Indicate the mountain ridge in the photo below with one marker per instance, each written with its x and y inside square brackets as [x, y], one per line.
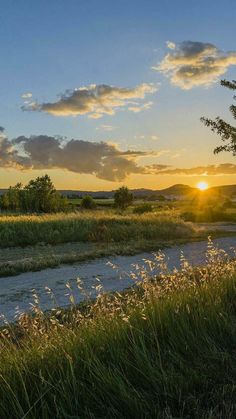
[178, 189]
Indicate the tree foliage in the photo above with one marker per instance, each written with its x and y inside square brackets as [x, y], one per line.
[39, 195]
[123, 198]
[226, 131]
[88, 202]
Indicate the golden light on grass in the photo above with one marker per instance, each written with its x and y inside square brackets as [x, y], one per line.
[202, 186]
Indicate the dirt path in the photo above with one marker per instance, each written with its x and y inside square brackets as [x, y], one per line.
[17, 291]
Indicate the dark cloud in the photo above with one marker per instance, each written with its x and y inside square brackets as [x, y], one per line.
[190, 64]
[96, 100]
[103, 160]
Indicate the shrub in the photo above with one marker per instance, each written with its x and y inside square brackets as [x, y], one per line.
[88, 202]
[123, 198]
[141, 209]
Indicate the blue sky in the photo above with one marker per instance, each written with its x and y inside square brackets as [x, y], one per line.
[49, 47]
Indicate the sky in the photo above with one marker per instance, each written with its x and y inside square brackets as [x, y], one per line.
[99, 94]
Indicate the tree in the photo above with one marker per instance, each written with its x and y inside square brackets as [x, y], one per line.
[226, 131]
[123, 198]
[38, 196]
[88, 202]
[11, 200]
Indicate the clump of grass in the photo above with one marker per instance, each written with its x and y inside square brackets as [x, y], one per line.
[163, 349]
[210, 214]
[88, 226]
[143, 208]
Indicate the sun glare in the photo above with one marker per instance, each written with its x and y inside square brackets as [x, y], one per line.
[202, 186]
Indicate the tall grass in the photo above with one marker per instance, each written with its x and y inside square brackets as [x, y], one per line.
[89, 226]
[164, 349]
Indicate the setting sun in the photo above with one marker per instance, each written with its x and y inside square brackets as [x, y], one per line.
[202, 186]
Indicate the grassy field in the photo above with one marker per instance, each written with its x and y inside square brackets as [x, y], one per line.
[163, 350]
[200, 209]
[109, 202]
[90, 226]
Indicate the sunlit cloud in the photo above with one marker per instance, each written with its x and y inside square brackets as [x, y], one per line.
[170, 45]
[210, 170]
[104, 127]
[191, 64]
[138, 108]
[96, 101]
[27, 95]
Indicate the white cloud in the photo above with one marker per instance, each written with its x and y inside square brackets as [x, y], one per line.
[170, 45]
[106, 127]
[191, 64]
[96, 101]
[139, 108]
[27, 95]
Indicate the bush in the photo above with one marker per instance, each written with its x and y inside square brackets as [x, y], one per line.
[188, 216]
[141, 209]
[88, 202]
[123, 198]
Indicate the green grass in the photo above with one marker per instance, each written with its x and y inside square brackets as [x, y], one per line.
[163, 350]
[109, 202]
[89, 226]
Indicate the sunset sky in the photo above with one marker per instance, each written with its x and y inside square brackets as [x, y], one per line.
[103, 93]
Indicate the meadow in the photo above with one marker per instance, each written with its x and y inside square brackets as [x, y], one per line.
[90, 226]
[162, 349]
[201, 208]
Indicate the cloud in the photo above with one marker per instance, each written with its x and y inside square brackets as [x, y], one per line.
[104, 160]
[95, 101]
[101, 159]
[9, 156]
[170, 45]
[138, 108]
[210, 170]
[27, 95]
[191, 64]
[106, 127]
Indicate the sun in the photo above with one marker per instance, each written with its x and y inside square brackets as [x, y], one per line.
[202, 186]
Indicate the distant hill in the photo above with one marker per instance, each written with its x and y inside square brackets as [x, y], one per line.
[229, 190]
[178, 190]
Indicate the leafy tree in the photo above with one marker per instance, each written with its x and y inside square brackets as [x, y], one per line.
[123, 198]
[38, 196]
[11, 200]
[226, 131]
[88, 202]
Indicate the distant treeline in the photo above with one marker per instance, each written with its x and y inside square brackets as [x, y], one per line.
[39, 196]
